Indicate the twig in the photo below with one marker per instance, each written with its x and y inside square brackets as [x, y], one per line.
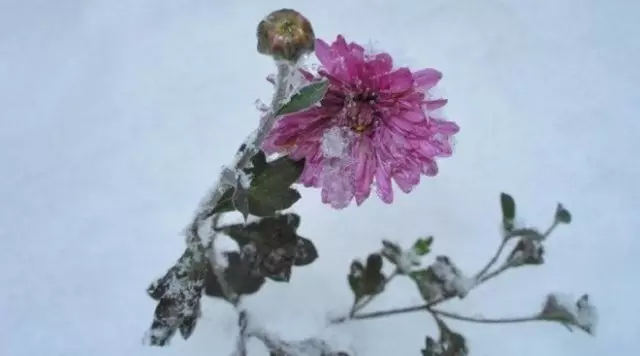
[455, 316]
[415, 308]
[493, 259]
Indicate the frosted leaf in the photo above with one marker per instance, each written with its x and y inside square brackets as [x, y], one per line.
[407, 261]
[335, 142]
[452, 278]
[442, 279]
[528, 251]
[562, 308]
[586, 314]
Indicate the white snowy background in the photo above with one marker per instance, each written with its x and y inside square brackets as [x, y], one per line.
[116, 117]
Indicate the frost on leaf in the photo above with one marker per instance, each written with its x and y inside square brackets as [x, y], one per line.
[528, 251]
[270, 247]
[563, 309]
[406, 260]
[450, 343]
[442, 280]
[366, 279]
[178, 294]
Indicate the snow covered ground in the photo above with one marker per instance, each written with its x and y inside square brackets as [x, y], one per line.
[116, 117]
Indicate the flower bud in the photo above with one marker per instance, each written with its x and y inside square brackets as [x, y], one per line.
[285, 35]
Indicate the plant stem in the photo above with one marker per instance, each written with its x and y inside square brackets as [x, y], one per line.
[415, 308]
[455, 316]
[242, 157]
[493, 260]
[550, 229]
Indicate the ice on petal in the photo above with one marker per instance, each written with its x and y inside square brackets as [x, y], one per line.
[335, 142]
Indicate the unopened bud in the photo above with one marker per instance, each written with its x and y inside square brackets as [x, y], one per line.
[285, 35]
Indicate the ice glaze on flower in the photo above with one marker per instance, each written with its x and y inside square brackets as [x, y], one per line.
[376, 124]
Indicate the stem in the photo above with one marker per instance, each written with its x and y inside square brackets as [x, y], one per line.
[242, 158]
[415, 308]
[359, 306]
[493, 260]
[455, 316]
[550, 229]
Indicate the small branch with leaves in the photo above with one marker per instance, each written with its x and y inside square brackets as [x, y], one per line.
[442, 281]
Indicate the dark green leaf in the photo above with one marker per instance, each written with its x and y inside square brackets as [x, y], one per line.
[563, 215]
[366, 279]
[306, 252]
[271, 245]
[270, 190]
[306, 97]
[508, 206]
[372, 280]
[237, 275]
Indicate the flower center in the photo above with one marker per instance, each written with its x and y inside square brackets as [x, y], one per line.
[361, 111]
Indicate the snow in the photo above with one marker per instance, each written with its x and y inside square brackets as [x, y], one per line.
[407, 261]
[116, 118]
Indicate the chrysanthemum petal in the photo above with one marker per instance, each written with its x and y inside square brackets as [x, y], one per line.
[427, 78]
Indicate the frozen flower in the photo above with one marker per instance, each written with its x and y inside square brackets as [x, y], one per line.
[383, 122]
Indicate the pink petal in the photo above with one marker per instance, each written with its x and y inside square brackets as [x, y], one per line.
[436, 104]
[324, 54]
[365, 169]
[427, 78]
[400, 80]
[407, 180]
[383, 186]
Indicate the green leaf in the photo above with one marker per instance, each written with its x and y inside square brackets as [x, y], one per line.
[366, 279]
[508, 206]
[563, 215]
[422, 246]
[270, 190]
[306, 97]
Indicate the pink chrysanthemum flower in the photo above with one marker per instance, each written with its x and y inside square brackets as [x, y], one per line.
[376, 124]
